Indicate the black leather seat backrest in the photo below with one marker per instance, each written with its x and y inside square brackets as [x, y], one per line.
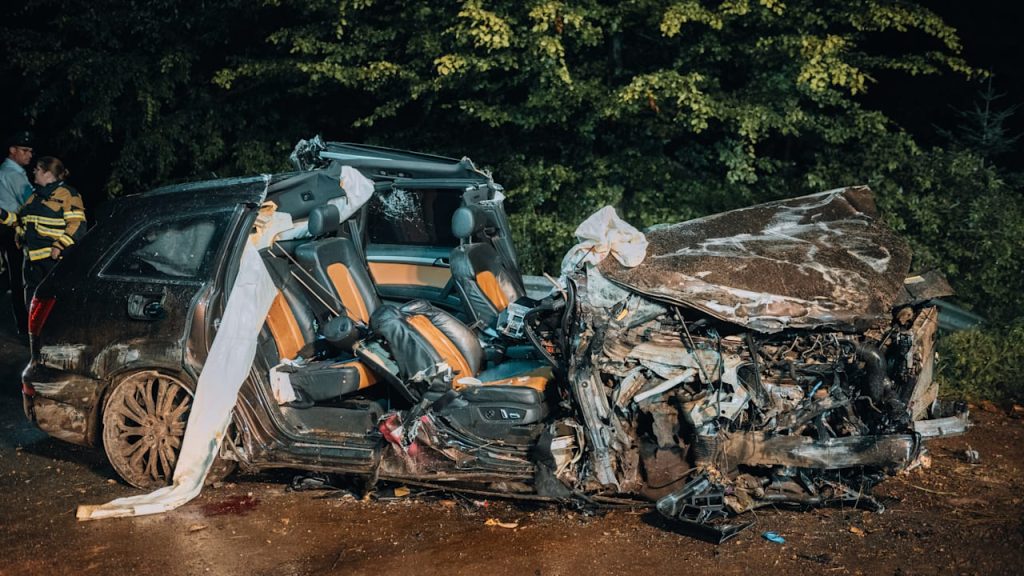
[485, 284]
[291, 319]
[421, 336]
[341, 276]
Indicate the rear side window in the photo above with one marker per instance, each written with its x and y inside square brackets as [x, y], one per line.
[181, 249]
[421, 217]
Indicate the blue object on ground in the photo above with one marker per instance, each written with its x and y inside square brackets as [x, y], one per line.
[774, 537]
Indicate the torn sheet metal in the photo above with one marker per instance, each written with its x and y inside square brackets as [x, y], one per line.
[944, 427]
[761, 449]
[226, 368]
[814, 261]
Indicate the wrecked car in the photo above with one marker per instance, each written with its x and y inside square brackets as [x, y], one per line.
[366, 315]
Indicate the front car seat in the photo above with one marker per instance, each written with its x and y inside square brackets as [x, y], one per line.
[505, 401]
[486, 285]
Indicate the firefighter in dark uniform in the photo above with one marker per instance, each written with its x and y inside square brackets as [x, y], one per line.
[49, 222]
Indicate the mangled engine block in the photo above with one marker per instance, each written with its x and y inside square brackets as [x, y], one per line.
[807, 417]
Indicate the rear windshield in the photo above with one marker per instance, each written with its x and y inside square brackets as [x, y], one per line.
[420, 217]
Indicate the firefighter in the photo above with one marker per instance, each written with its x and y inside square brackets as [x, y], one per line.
[49, 222]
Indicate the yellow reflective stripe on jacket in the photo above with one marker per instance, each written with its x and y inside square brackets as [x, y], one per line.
[65, 240]
[10, 220]
[49, 232]
[44, 220]
[74, 215]
[39, 253]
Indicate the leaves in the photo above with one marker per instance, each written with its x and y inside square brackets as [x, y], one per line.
[668, 111]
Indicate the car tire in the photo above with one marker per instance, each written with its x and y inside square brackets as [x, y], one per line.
[144, 421]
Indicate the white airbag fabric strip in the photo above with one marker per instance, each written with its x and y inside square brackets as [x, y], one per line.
[226, 368]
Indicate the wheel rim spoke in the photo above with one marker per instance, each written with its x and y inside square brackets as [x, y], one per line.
[147, 397]
[165, 398]
[137, 454]
[186, 403]
[152, 465]
[135, 447]
[132, 409]
[166, 461]
[125, 432]
[176, 428]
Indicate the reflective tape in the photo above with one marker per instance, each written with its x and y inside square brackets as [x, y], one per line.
[44, 220]
[39, 254]
[49, 232]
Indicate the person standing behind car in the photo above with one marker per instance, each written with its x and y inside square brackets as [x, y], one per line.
[14, 190]
[51, 220]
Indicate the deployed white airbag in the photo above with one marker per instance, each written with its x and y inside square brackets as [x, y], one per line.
[604, 233]
[358, 190]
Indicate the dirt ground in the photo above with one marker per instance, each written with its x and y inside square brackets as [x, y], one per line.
[954, 518]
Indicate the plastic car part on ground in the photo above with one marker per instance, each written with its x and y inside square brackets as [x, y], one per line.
[226, 368]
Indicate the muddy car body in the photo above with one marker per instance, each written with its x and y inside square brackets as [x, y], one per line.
[775, 354]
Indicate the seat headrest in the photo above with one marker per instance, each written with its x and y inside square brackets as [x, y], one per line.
[467, 221]
[324, 220]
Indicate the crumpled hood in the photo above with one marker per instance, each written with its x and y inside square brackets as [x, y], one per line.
[823, 260]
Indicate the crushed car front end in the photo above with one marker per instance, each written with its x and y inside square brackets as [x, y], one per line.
[775, 354]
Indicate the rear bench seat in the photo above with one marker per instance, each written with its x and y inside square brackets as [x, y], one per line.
[326, 279]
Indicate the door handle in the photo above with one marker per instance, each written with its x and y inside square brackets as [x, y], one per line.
[147, 307]
[154, 310]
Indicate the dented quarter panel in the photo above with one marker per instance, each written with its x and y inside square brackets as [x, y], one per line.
[63, 404]
[121, 356]
[62, 421]
[62, 356]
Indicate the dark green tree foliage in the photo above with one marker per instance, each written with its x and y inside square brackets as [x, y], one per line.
[983, 128]
[127, 86]
[983, 363]
[667, 111]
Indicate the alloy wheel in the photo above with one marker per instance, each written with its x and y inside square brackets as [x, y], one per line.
[143, 426]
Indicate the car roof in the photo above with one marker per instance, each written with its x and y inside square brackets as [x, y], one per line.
[385, 164]
[297, 192]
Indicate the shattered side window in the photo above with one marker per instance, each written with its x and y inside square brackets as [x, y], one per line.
[171, 250]
[421, 217]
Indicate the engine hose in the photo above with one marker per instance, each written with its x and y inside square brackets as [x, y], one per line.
[874, 363]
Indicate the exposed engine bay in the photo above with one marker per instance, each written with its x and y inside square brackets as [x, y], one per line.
[720, 415]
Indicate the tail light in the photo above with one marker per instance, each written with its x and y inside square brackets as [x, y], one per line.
[38, 312]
